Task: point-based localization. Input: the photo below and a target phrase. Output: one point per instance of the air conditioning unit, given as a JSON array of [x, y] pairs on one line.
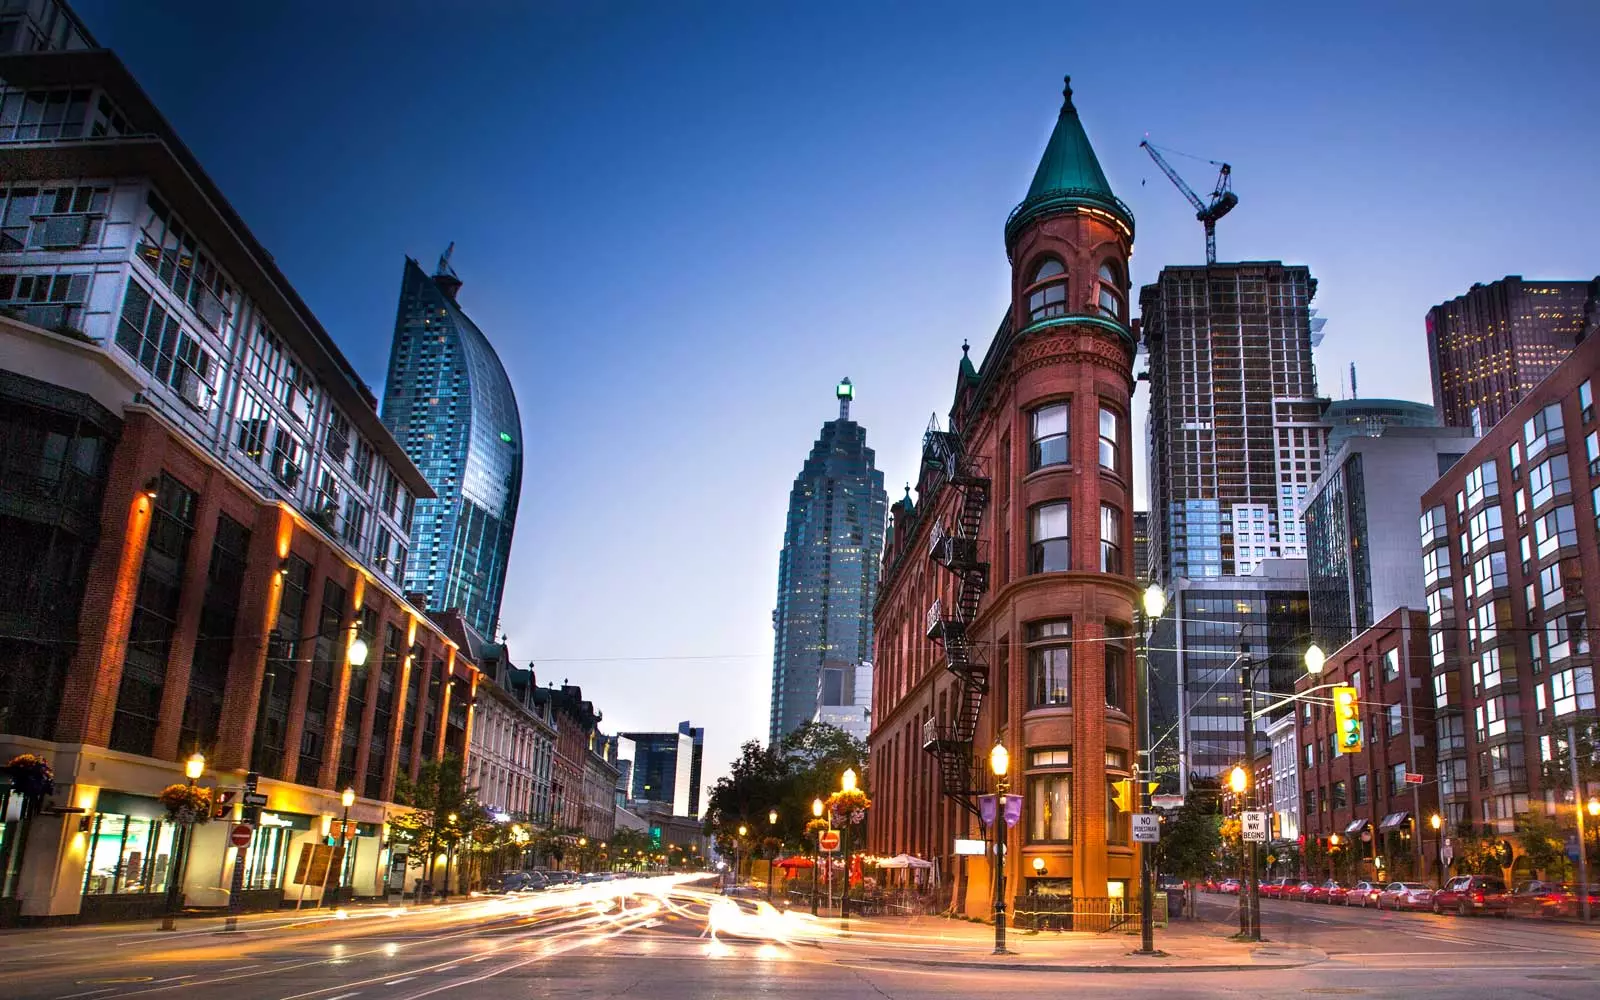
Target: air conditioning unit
[[192, 389]]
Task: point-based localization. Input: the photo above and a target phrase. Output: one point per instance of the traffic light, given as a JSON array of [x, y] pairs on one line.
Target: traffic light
[[1122, 794], [1347, 721]]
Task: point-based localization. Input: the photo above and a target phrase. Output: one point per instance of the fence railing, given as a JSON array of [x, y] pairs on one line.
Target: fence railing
[[1081, 913]]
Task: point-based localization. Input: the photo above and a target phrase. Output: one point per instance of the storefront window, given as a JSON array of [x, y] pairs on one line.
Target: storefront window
[[127, 854], [269, 850]]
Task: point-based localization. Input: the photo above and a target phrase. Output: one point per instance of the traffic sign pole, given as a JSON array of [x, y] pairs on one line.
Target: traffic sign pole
[[250, 819]]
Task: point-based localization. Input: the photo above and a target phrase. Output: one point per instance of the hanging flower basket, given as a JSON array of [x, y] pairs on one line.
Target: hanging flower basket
[[31, 775], [848, 807], [187, 803], [817, 826]]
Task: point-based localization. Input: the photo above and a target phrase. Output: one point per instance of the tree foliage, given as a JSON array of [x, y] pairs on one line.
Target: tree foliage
[[440, 792], [1191, 841], [804, 766], [1543, 844]]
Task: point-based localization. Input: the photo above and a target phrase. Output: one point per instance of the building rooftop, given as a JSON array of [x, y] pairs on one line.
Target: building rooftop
[[1068, 177]]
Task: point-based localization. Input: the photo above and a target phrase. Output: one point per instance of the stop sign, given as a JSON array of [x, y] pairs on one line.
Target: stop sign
[[828, 840], [239, 836]]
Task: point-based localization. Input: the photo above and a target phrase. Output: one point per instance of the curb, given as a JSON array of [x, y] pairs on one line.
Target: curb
[[1109, 969]]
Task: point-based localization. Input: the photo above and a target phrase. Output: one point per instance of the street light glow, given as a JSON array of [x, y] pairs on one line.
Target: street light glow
[[816, 808], [348, 798], [1435, 821], [1000, 760], [1238, 780], [772, 817], [743, 830], [847, 780], [1594, 806], [1155, 601], [358, 652], [1315, 658], [195, 766]]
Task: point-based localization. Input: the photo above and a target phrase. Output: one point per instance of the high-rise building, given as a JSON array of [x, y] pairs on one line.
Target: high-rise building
[[665, 768], [828, 570], [1007, 604], [1348, 418], [1235, 431], [1141, 544], [1509, 542], [450, 403], [1489, 347], [844, 700], [1364, 560]]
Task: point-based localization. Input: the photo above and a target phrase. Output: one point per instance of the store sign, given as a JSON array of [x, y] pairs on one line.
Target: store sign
[[971, 848]]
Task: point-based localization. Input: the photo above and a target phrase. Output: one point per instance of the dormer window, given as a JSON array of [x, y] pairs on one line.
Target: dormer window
[[1047, 292], [1109, 295]]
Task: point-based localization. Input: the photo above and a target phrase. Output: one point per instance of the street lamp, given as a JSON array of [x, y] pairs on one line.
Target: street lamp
[[1000, 765], [1437, 822], [347, 799], [738, 846], [1315, 658], [816, 856], [1239, 782], [847, 782], [358, 652], [1154, 602], [772, 821], [193, 768]]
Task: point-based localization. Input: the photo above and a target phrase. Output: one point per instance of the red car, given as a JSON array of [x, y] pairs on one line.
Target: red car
[[1328, 892], [1228, 887], [1272, 888], [1363, 894], [1467, 895]]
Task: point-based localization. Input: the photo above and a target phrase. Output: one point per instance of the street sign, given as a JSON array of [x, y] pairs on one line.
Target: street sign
[[1146, 828], [1254, 825], [255, 798], [828, 841], [1166, 801], [970, 848], [1413, 779], [239, 836]]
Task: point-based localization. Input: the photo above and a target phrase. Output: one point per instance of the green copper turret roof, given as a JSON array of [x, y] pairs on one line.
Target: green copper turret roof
[[967, 370], [1069, 177]]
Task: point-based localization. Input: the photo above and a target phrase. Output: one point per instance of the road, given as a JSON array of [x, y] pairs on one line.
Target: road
[[676, 941]]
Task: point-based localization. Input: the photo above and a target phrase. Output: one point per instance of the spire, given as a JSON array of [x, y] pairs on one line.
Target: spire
[[1068, 177], [846, 392], [445, 276], [967, 371]]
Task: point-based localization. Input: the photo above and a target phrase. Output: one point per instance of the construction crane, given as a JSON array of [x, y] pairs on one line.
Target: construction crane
[[1222, 197]]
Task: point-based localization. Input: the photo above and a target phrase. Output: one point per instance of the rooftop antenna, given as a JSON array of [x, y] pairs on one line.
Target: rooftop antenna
[[1353, 393]]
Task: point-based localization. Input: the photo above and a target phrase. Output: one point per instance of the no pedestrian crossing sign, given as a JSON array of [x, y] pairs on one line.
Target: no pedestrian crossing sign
[[1254, 825], [1146, 828]]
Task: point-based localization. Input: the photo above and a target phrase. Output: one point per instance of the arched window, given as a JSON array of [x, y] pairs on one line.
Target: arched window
[[1047, 292], [1109, 297]]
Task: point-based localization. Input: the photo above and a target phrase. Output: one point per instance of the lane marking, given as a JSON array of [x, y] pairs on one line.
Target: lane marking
[[90, 993], [342, 996], [239, 968], [173, 979], [397, 982]]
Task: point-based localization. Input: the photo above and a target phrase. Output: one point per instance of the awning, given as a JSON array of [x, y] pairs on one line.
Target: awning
[[1355, 827], [1393, 820]]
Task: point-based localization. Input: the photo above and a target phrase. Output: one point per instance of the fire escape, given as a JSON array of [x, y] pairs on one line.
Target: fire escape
[[958, 550]]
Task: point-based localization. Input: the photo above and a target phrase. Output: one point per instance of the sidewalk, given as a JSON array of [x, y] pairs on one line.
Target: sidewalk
[[1186, 946]]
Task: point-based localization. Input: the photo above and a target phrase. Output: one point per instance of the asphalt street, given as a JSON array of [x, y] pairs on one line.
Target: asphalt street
[[667, 940]]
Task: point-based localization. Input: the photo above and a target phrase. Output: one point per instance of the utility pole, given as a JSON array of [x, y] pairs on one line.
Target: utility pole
[[1249, 899], [1584, 888]]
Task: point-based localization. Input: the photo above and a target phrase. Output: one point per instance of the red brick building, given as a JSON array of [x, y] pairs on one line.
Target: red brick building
[[1025, 505], [1508, 539], [1366, 798]]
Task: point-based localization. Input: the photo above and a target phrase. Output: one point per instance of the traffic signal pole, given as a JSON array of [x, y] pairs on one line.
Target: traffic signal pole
[[1250, 894]]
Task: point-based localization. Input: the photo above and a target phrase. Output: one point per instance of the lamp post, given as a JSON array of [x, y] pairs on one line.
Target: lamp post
[[847, 782], [449, 856], [346, 799], [1577, 810], [1000, 766], [1437, 822], [1239, 781], [772, 823], [193, 768], [816, 856], [738, 846], [1155, 604]]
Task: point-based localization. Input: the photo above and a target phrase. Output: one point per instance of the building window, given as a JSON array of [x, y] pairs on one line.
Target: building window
[[1434, 526], [1483, 483], [1572, 690], [1555, 530], [1110, 539], [1395, 721], [1311, 756], [1361, 789], [1050, 808], [1050, 532], [1397, 779], [1050, 663], [1109, 436], [1486, 527], [1339, 796], [1051, 435], [1116, 647], [1391, 665], [1109, 299], [1543, 429], [1549, 480], [1586, 400], [128, 854], [1047, 292]]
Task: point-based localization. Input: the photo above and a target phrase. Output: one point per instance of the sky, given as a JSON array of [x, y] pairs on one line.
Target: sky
[[681, 223]]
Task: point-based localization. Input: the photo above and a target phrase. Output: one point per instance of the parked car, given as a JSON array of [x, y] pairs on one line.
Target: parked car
[[1571, 907], [1536, 898], [1405, 896], [1295, 889], [522, 882], [1363, 894], [1467, 895], [1211, 884], [1272, 888], [1324, 893], [1228, 887]]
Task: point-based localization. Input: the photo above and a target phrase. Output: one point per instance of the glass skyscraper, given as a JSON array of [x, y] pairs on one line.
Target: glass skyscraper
[[450, 404], [828, 570]]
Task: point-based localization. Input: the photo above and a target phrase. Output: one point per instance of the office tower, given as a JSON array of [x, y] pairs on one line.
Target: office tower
[[844, 699], [1489, 347], [828, 570], [1141, 544], [666, 768], [450, 403], [1363, 557], [1348, 418], [1235, 431]]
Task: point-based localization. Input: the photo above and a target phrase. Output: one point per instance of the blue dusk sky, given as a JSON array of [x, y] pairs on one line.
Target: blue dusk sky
[[681, 223]]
